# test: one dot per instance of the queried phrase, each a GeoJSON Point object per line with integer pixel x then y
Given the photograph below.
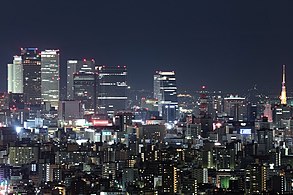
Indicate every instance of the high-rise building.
{"type": "Point", "coordinates": [71, 69]}
{"type": "Point", "coordinates": [77, 66]}
{"type": "Point", "coordinates": [84, 90]}
{"type": "Point", "coordinates": [165, 90]}
{"type": "Point", "coordinates": [281, 112]}
{"type": "Point", "coordinates": [112, 89]}
{"type": "Point", "coordinates": [170, 178]}
{"type": "Point", "coordinates": [258, 178]}
{"type": "Point", "coordinates": [234, 106]}
{"type": "Point", "coordinates": [31, 61]}
{"type": "Point", "coordinates": [15, 78]}
{"type": "Point", "coordinates": [157, 91]}
{"type": "Point", "coordinates": [50, 76]}
{"type": "Point", "coordinates": [203, 107]}
{"type": "Point", "coordinates": [253, 104]}
{"type": "Point", "coordinates": [265, 141]}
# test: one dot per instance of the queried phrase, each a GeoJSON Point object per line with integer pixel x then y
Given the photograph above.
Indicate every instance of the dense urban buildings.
{"type": "Point", "coordinates": [105, 138]}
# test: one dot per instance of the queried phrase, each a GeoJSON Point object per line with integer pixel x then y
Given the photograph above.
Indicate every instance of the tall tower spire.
{"type": "Point", "coordinates": [283, 96]}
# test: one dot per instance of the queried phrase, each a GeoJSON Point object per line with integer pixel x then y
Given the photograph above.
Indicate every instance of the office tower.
{"type": "Point", "coordinates": [31, 61]}
{"type": "Point", "coordinates": [15, 79]}
{"type": "Point", "coordinates": [280, 113]}
{"type": "Point", "coordinates": [50, 76]}
{"type": "Point", "coordinates": [77, 66]}
{"type": "Point", "coordinates": [71, 69]}
{"type": "Point", "coordinates": [234, 106]}
{"type": "Point", "coordinates": [84, 90]}
{"type": "Point", "coordinates": [165, 90]}
{"type": "Point", "coordinates": [215, 104]}
{"type": "Point", "coordinates": [265, 141]}
{"type": "Point", "coordinates": [157, 91]}
{"type": "Point", "coordinates": [253, 105]}
{"type": "Point", "coordinates": [205, 119]}
{"type": "Point", "coordinates": [283, 96]}
{"type": "Point", "coordinates": [112, 86]}
{"type": "Point", "coordinates": [203, 107]}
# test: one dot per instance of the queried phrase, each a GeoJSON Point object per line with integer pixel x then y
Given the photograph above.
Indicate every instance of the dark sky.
{"type": "Point", "coordinates": [227, 45]}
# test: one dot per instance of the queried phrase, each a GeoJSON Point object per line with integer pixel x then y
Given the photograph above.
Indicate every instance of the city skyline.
{"type": "Point", "coordinates": [64, 77]}
{"type": "Point", "coordinates": [244, 40]}
{"type": "Point", "coordinates": [146, 97]}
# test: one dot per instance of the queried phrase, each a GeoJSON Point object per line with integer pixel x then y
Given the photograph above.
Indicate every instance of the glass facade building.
{"type": "Point", "coordinates": [77, 66]}
{"type": "Point", "coordinates": [15, 78]}
{"type": "Point", "coordinates": [31, 61]}
{"type": "Point", "coordinates": [50, 76]}
{"type": "Point", "coordinates": [112, 89]}
{"type": "Point", "coordinates": [84, 88]}
{"type": "Point", "coordinates": [165, 90]}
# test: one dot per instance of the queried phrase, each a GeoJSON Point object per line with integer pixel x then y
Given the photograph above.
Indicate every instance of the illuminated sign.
{"type": "Point", "coordinates": [245, 131]}
{"type": "Point", "coordinates": [100, 122]}
{"type": "Point", "coordinates": [106, 133]}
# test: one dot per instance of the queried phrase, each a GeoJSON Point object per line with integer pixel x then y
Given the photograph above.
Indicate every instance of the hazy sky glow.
{"type": "Point", "coordinates": [226, 45]}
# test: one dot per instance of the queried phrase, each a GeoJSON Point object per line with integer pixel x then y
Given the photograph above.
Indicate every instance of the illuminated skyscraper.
{"type": "Point", "coordinates": [77, 66]}
{"type": "Point", "coordinates": [15, 79]}
{"type": "Point", "coordinates": [203, 108]}
{"type": "Point", "coordinates": [235, 107]}
{"type": "Point", "coordinates": [157, 91]}
{"type": "Point", "coordinates": [165, 90]}
{"type": "Point", "coordinates": [81, 83]}
{"type": "Point", "coordinates": [50, 76]}
{"type": "Point", "coordinates": [112, 87]}
{"type": "Point", "coordinates": [71, 69]}
{"type": "Point", "coordinates": [283, 96]}
{"type": "Point", "coordinates": [84, 90]}
{"type": "Point", "coordinates": [31, 61]}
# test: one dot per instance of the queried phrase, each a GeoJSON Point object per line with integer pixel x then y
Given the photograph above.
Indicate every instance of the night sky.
{"type": "Point", "coordinates": [227, 45]}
